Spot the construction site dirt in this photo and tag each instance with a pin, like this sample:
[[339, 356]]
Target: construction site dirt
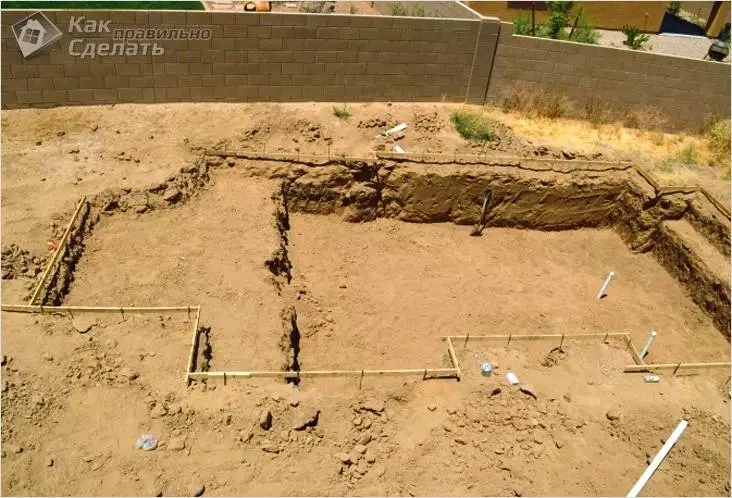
[[240, 289]]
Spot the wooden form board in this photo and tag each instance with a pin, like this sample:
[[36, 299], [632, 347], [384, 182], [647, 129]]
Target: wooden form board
[[27, 308], [634, 352], [59, 250], [509, 338], [422, 372], [675, 367], [194, 344]]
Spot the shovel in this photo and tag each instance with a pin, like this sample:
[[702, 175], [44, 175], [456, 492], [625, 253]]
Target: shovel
[[478, 228]]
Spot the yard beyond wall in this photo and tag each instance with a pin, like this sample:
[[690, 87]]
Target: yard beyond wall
[[343, 58]]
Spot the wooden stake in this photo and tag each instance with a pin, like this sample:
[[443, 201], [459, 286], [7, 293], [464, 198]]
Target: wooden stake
[[194, 343], [633, 352], [59, 251], [453, 356]]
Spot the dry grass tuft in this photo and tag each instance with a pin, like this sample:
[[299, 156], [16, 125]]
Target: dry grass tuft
[[597, 111], [536, 100], [644, 118]]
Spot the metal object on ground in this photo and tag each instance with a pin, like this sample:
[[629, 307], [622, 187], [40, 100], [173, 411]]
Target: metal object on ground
[[486, 369], [718, 50], [512, 379], [146, 442], [478, 228]]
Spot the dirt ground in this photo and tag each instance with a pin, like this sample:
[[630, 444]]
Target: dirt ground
[[371, 295], [397, 288], [210, 252], [59, 154]]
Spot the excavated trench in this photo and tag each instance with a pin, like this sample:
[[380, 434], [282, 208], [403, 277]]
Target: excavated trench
[[529, 194], [532, 195]]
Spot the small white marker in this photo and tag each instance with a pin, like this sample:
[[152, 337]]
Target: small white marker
[[399, 149], [396, 129], [512, 379], [603, 291], [648, 343]]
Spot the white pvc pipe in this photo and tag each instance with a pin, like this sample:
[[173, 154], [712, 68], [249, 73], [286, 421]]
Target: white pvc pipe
[[648, 343], [675, 435], [396, 129], [605, 285]]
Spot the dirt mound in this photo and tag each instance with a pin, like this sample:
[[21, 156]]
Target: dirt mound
[[374, 123], [506, 141], [17, 262], [428, 123], [255, 136], [554, 356], [310, 132], [547, 152], [367, 445]]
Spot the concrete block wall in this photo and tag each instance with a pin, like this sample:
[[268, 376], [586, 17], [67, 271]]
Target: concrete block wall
[[687, 91], [250, 57], [485, 49], [346, 58]]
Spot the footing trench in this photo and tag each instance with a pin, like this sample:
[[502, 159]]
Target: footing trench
[[685, 229]]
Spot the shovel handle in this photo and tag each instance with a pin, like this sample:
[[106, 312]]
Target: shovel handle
[[486, 198]]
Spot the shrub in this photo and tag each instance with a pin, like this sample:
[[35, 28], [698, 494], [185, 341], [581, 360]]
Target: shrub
[[558, 18], [397, 9], [473, 126], [551, 104], [596, 110], [341, 112], [556, 26], [633, 37], [519, 98], [522, 25], [717, 135], [313, 7], [687, 155], [535, 100], [644, 118], [585, 32], [673, 8]]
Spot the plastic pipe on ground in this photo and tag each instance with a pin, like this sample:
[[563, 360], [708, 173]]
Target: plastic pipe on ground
[[647, 345], [675, 435], [605, 285]]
